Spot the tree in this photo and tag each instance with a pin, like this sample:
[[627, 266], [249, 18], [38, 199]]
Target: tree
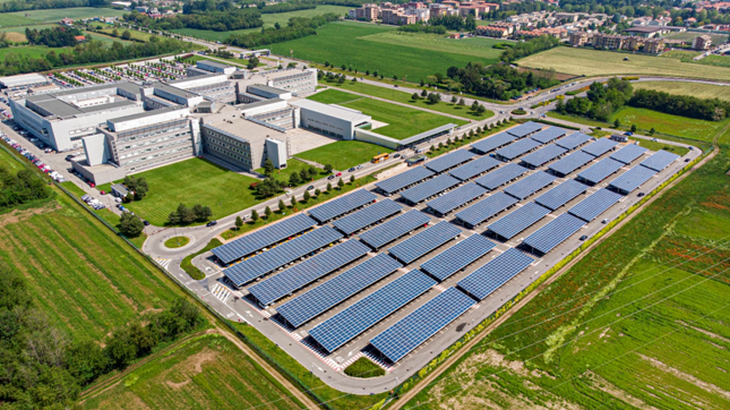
[[462, 102], [652, 131], [239, 223], [130, 225], [268, 167], [395, 77], [126, 35], [424, 93], [307, 196], [282, 205], [294, 179], [254, 215], [340, 183], [422, 82], [616, 123], [453, 99], [202, 213], [293, 201], [183, 215], [432, 148], [352, 179], [317, 192], [433, 98], [633, 127], [415, 97], [267, 212], [253, 62], [328, 168], [115, 33], [277, 25], [329, 187]]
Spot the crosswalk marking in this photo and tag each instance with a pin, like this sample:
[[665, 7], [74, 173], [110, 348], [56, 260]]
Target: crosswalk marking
[[164, 262], [220, 292]]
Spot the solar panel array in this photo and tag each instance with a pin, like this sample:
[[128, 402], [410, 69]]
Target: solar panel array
[[570, 163], [424, 242], [263, 238], [474, 168], [573, 141], [456, 198], [458, 257], [488, 145], [596, 204], [525, 129], [530, 185], [313, 303], [429, 188], [406, 179], [296, 277], [516, 149], [549, 134], [600, 147], [519, 220], [554, 233], [632, 179], [394, 228], [348, 324], [600, 171], [495, 273], [448, 161], [411, 331], [628, 153], [367, 216], [561, 194], [544, 155], [659, 160], [263, 263], [486, 208], [501, 176], [343, 205]]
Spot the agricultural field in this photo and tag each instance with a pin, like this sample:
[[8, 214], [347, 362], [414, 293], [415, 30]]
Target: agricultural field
[[193, 181], [683, 55], [715, 60], [208, 372], [17, 34], [26, 51], [344, 154], [54, 15], [581, 61], [688, 36], [136, 34], [640, 322], [403, 122], [378, 49], [680, 88]]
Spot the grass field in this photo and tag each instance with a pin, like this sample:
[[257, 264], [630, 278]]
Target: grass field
[[54, 15], [136, 34], [403, 122], [658, 145], [27, 51], [581, 61], [363, 368], [9, 161], [292, 166], [269, 20], [344, 154], [683, 55], [689, 36], [379, 48], [692, 89], [714, 60], [194, 181], [640, 322]]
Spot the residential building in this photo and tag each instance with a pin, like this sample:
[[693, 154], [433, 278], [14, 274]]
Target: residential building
[[654, 46], [579, 38], [397, 17], [702, 42], [608, 41]]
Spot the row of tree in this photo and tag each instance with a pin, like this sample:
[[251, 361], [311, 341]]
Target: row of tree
[[20, 188], [423, 28], [20, 5], [455, 22], [53, 37], [601, 101], [234, 19], [531, 46], [185, 215], [284, 7], [297, 27], [498, 81], [703, 108]]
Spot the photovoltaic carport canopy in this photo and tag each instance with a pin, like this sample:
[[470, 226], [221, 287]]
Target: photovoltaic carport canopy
[[492, 143], [632, 179], [424, 242], [525, 129], [458, 257], [304, 273], [427, 189], [411, 331], [519, 220], [263, 263], [528, 186], [486, 208], [595, 204], [448, 161], [367, 216], [571, 162], [263, 238], [628, 153], [600, 171], [544, 155], [599, 147], [348, 324], [343, 205], [474, 168], [501, 176], [394, 229], [659, 160], [554, 233], [561, 194], [516, 149], [549, 134], [573, 141], [495, 273], [406, 179], [456, 198]]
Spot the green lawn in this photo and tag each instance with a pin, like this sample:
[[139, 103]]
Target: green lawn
[[136, 34], [8, 160], [658, 145], [343, 155], [28, 51], [363, 368], [683, 55], [54, 15], [680, 88], [403, 122], [292, 166], [719, 61], [209, 372], [194, 181]]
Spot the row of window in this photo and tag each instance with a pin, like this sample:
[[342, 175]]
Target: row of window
[[186, 142], [164, 156], [156, 140]]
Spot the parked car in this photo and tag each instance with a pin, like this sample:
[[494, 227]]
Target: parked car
[[311, 187], [146, 222], [351, 169], [331, 177], [211, 223], [584, 237], [339, 174], [396, 156], [641, 194]]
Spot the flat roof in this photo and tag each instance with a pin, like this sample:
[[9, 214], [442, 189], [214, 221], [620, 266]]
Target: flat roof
[[213, 63], [175, 90], [331, 110], [274, 90], [22, 79], [143, 114], [427, 134], [240, 127], [645, 29]]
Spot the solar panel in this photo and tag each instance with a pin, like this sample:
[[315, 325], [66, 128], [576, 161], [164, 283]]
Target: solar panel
[[561, 194], [411, 331], [458, 257], [496, 141], [425, 190], [490, 277], [394, 228], [600, 171], [485, 209], [263, 238], [474, 168], [516, 149], [289, 280], [573, 141], [632, 179], [549, 134], [263, 263], [600, 147], [628, 153], [659, 160], [348, 324], [544, 155], [448, 161], [597, 203], [313, 303], [424, 242], [519, 220], [367, 216], [456, 198], [343, 205], [570, 163], [501, 176], [404, 180], [525, 129], [554, 233], [530, 185]]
